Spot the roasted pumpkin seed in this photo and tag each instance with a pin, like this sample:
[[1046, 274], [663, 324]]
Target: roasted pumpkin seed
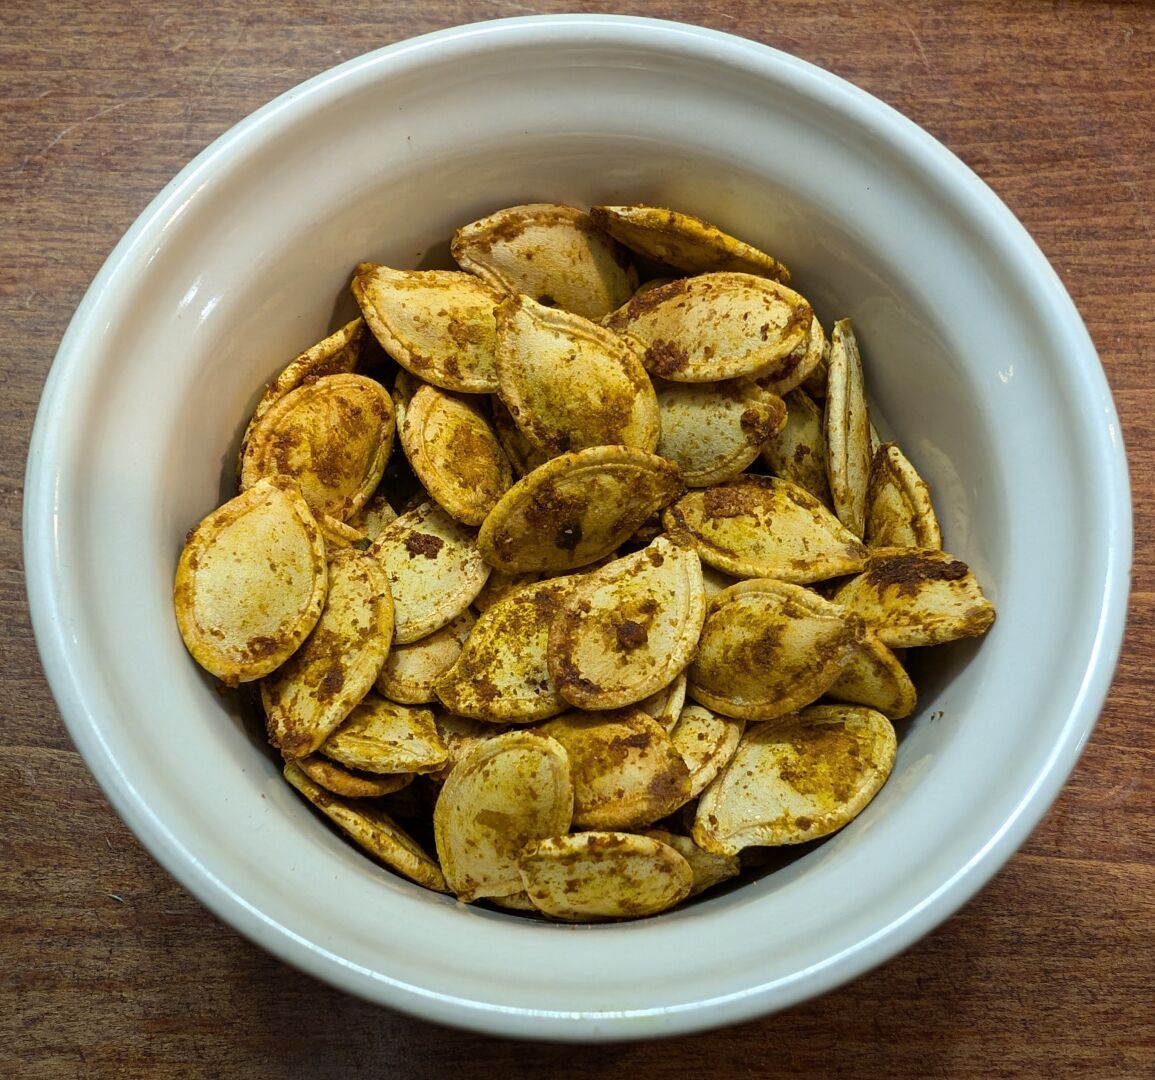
[[501, 674], [333, 435], [349, 783], [760, 526], [250, 582], [628, 629], [626, 771], [372, 518], [410, 671], [460, 736], [717, 326], [684, 241], [847, 428], [768, 648], [522, 454], [576, 508], [589, 876], [706, 742], [325, 679], [665, 705], [339, 535], [337, 354], [801, 777], [434, 569], [569, 384], [798, 452], [518, 901], [437, 324], [505, 793], [499, 585], [381, 736], [455, 453], [373, 830], [708, 868], [552, 253], [800, 364], [873, 676], [917, 598], [715, 430], [899, 512]]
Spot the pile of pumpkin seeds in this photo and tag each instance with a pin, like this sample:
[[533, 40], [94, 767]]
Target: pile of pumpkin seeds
[[640, 616]]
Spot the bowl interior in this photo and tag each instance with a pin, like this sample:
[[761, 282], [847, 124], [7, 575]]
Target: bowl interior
[[975, 360]]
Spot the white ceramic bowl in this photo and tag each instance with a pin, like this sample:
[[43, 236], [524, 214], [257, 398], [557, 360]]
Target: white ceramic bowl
[[977, 361]]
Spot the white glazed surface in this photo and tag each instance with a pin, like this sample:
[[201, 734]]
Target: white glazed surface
[[977, 361]]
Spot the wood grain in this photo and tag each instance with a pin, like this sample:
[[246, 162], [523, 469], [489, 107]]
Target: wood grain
[[107, 968]]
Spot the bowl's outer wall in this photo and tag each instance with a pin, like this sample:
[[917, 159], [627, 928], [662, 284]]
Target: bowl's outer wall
[[977, 362]]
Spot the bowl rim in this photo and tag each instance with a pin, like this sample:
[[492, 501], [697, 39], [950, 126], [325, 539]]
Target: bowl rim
[[43, 582]]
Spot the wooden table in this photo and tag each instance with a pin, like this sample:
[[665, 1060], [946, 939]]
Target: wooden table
[[108, 968]]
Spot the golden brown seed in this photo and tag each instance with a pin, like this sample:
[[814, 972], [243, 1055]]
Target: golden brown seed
[[796, 779], [575, 509], [899, 512], [518, 901], [768, 648], [604, 875], [339, 535], [873, 676], [460, 735], [499, 585], [455, 453], [917, 598], [250, 582], [434, 569], [552, 253], [405, 385], [522, 454], [333, 435], [800, 364], [798, 452], [665, 705], [372, 518], [714, 430], [815, 383], [437, 324], [381, 736], [847, 428], [684, 241], [569, 384], [626, 771], [708, 868], [348, 782], [410, 671], [374, 831], [706, 742], [617, 319], [324, 680], [717, 326], [501, 674], [337, 354], [507, 792], [758, 526], [715, 581], [628, 629]]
